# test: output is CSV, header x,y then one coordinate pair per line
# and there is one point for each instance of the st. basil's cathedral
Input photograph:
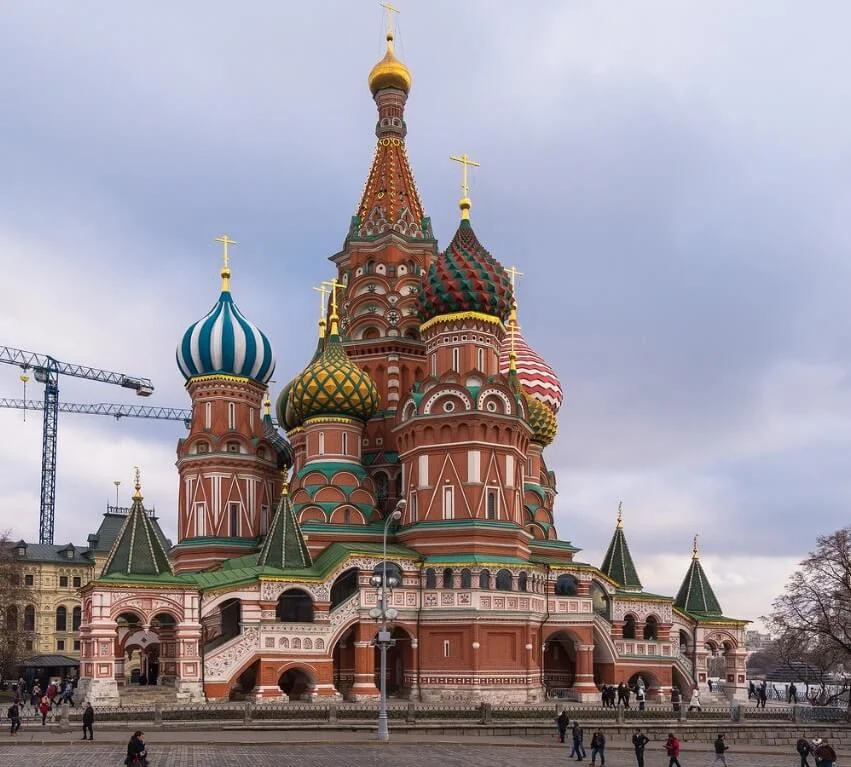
x,y
423,397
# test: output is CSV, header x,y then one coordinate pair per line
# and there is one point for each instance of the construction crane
x,y
105,408
47,370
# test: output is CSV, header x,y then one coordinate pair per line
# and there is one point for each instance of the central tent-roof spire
x,y
390,201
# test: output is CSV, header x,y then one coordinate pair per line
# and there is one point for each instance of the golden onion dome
x,y
389,72
541,419
333,385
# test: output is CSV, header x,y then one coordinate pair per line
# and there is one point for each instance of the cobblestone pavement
x,y
357,755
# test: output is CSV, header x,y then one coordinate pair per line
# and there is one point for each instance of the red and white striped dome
x,y
534,374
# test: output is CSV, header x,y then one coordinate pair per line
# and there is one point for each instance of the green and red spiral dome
x,y
466,278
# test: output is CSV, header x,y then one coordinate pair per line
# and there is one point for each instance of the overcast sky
x,y
671,177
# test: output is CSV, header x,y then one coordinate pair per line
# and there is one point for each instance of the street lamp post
x,y
384,614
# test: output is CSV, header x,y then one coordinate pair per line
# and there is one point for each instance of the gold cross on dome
x,y
391,9
333,285
515,273
225,240
323,291
466,162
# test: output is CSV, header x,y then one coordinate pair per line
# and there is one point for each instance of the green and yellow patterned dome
x,y
333,385
541,419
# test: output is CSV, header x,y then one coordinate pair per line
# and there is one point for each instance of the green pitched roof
x,y
617,563
138,549
696,595
284,547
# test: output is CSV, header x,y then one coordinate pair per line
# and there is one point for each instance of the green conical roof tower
x,y
138,549
617,563
285,547
696,595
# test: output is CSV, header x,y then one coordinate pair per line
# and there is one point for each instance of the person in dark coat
x,y
137,754
804,749
598,746
639,741
563,721
88,721
578,735
14,714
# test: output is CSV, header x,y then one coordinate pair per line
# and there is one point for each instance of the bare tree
x,y
812,618
11,639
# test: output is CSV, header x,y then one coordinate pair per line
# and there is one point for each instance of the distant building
x,y
756,641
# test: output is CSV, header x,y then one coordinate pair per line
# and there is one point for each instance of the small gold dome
x,y
389,72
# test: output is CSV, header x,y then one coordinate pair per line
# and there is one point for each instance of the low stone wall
x,y
767,727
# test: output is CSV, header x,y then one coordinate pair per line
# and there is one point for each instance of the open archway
x,y
343,660
296,684
559,664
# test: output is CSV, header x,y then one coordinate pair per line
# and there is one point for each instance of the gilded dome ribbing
x,y
389,72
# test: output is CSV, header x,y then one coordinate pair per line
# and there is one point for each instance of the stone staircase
x,y
148,695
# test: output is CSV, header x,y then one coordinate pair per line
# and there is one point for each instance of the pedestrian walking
x,y
804,749
641,697
639,741
672,748
14,714
137,752
43,708
88,721
824,754
793,694
598,748
577,736
562,723
720,750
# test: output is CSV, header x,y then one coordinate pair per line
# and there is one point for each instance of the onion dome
x,y
541,419
333,385
536,377
389,72
224,342
466,278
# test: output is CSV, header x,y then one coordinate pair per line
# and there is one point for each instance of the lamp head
x,y
392,581
376,581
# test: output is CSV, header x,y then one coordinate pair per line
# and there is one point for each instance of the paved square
x,y
319,755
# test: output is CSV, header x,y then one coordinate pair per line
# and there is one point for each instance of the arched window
x,y
321,443
629,627
344,586
522,582
447,578
651,628
29,618
566,586
503,580
12,618
295,606
431,578
599,600
76,616
391,570
485,579
466,579
61,618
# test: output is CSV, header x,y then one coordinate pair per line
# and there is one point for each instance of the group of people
x,y
760,693
612,696
577,736
821,751
42,701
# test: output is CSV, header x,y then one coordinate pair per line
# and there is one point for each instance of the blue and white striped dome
x,y
225,343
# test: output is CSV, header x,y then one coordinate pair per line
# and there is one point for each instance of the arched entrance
x,y
245,683
399,663
559,664
343,658
296,684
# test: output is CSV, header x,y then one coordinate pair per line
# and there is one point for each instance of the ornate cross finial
x,y
514,273
391,9
620,515
137,495
694,551
466,162
332,285
267,405
323,291
225,240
